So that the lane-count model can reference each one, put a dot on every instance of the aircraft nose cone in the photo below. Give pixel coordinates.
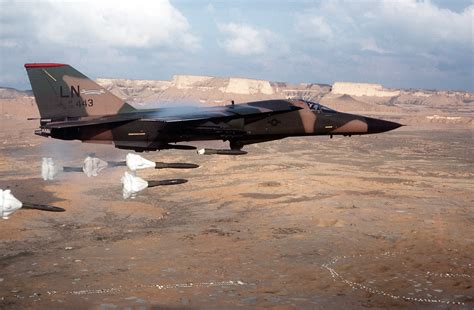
(377, 125)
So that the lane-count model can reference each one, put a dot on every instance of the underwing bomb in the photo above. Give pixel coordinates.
(166, 182)
(133, 184)
(34, 206)
(161, 165)
(9, 204)
(136, 162)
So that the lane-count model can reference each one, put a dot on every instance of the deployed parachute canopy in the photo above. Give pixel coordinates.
(93, 165)
(136, 162)
(132, 185)
(8, 203)
(48, 169)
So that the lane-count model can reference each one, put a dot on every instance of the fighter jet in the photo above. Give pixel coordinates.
(74, 107)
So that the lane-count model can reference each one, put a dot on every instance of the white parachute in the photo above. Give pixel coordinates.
(93, 165)
(48, 169)
(136, 162)
(132, 185)
(8, 203)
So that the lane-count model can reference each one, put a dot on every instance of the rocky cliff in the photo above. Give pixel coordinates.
(362, 89)
(209, 90)
(411, 106)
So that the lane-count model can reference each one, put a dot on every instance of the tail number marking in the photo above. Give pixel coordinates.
(85, 103)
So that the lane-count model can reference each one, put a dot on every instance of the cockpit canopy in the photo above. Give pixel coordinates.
(314, 106)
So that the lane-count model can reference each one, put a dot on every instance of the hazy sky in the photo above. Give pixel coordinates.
(398, 43)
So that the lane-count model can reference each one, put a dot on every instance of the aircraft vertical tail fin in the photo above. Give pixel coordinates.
(62, 92)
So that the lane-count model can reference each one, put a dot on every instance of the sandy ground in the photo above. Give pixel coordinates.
(381, 221)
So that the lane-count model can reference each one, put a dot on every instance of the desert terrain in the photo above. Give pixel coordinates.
(376, 221)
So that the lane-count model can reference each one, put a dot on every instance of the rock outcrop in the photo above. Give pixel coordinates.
(210, 90)
(189, 81)
(362, 89)
(12, 93)
(410, 106)
(248, 87)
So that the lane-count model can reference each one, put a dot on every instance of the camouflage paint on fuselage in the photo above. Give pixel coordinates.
(73, 107)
